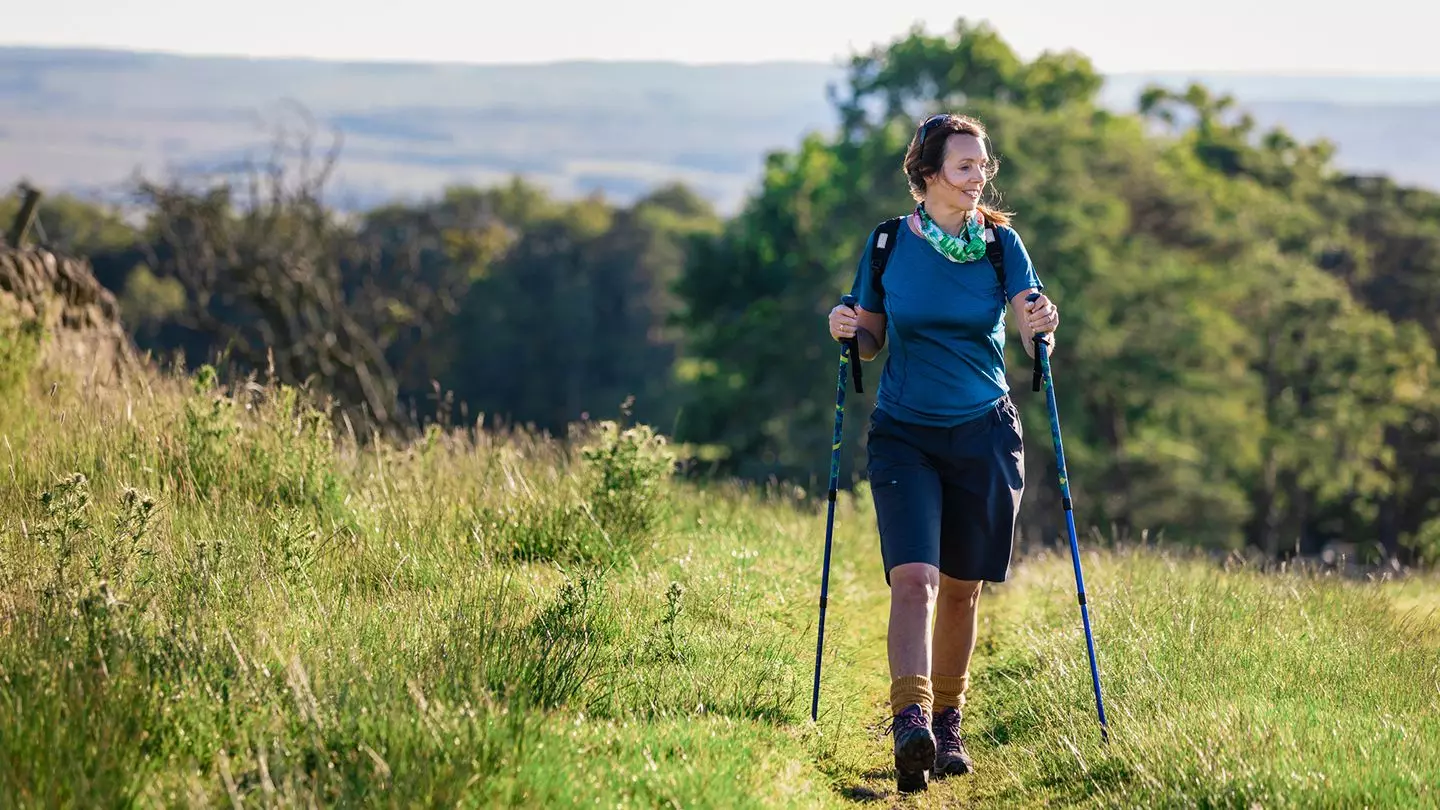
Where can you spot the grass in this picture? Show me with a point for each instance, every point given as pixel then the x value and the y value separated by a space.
pixel 210 597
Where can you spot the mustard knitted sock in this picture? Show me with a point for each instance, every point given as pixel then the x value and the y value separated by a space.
pixel 910 689
pixel 950 691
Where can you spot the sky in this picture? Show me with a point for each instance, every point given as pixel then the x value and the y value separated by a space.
pixel 1391 37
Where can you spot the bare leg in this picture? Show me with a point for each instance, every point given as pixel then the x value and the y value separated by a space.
pixel 956 622
pixel 913 589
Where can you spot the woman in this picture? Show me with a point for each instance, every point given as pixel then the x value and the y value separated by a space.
pixel 946 456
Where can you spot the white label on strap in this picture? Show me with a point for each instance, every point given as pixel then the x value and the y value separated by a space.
pixel 880 243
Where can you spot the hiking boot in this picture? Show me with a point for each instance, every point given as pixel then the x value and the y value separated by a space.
pixel 951 758
pixel 914 749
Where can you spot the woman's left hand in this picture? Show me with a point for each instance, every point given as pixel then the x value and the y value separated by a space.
pixel 1041 315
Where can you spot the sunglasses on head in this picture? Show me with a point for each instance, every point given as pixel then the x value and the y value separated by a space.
pixel 930 123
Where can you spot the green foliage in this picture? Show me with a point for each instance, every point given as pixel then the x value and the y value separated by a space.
pixel 82 557
pixel 1222 373
pixel 148 300
pixel 1245 357
pixel 628 465
pixel 296 452
pixel 969 65
pixel 71 224
pixel 208 597
pixel 65 529
pixel 567 633
pixel 164 645
pixel 208 433
pixel 611 513
pixel 281 450
pixel 234 644
pixel 592 279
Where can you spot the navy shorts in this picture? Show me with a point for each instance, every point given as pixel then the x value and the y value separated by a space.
pixel 948 496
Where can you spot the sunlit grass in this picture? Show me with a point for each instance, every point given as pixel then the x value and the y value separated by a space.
pixel 213 598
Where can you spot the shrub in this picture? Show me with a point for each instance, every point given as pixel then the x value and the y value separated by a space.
pixel 627 468
pixel 282 452
pixel 615 511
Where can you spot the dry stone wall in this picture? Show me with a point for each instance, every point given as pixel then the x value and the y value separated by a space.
pixel 81 319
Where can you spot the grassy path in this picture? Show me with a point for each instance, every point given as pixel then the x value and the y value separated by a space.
pixel 1222 688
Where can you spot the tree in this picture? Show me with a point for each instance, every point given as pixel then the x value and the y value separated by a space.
pixel 572 318
pixel 1216 376
pixel 277 281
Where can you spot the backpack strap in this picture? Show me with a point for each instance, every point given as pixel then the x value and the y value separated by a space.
pixel 995 252
pixel 882 242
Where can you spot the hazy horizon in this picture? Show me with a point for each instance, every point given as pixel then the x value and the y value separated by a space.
pixel 1244 36
pixel 1318 73
pixel 91 94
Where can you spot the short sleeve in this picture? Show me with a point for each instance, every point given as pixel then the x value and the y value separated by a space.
pixel 868 298
pixel 1020 272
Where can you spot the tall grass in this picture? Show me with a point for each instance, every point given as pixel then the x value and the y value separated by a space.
pixel 211 596
pixel 1223 687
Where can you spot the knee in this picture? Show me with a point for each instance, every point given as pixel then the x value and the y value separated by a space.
pixel 960 593
pixel 914 582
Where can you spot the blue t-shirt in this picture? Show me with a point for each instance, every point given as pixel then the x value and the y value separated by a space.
pixel 945 327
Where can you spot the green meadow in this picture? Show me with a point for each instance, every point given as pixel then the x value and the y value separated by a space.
pixel 209 597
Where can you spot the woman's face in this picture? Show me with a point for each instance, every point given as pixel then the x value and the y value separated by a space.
pixel 961 179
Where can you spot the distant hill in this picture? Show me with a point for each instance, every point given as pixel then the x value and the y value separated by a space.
pixel 84 120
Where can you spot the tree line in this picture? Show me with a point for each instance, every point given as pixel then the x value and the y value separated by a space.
pixel 1248 333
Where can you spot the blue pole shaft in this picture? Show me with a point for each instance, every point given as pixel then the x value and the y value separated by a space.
pixel 1042 369
pixel 836 439
pixel 1044 358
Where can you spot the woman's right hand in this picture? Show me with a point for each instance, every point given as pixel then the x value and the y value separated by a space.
pixel 843 322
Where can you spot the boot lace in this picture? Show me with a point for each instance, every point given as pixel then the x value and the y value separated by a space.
pixel 907 720
pixel 947 725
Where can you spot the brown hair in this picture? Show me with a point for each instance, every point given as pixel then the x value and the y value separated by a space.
pixel 926 154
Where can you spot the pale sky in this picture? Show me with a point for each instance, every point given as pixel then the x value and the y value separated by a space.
pixel 1373 37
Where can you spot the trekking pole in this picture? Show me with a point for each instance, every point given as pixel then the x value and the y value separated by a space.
pixel 1042 374
pixel 849 359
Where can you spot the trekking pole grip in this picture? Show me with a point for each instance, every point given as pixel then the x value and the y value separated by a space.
pixel 1040 345
pixel 854 344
